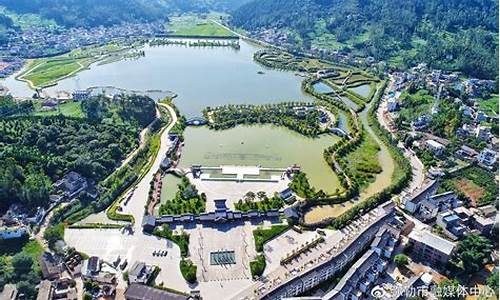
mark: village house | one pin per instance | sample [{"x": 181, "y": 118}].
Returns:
[
  {"x": 140, "y": 273},
  {"x": 484, "y": 219},
  {"x": 435, "y": 147},
  {"x": 466, "y": 153},
  {"x": 430, "y": 248},
  {"x": 80, "y": 95},
  {"x": 51, "y": 267},
  {"x": 71, "y": 184},
  {"x": 91, "y": 267},
  {"x": 483, "y": 133},
  {"x": 451, "y": 224},
  {"x": 487, "y": 157}
]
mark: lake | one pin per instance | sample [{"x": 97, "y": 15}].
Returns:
[
  {"x": 322, "y": 88},
  {"x": 200, "y": 76},
  {"x": 265, "y": 145},
  {"x": 362, "y": 90}
]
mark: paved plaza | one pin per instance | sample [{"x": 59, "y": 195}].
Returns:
[
  {"x": 233, "y": 191},
  {"x": 234, "y": 237},
  {"x": 108, "y": 244}
]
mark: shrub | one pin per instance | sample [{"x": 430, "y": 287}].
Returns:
[
  {"x": 188, "y": 270},
  {"x": 258, "y": 265}
]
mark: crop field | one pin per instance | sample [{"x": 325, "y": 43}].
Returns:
[
  {"x": 476, "y": 184},
  {"x": 490, "y": 105},
  {"x": 191, "y": 25}
]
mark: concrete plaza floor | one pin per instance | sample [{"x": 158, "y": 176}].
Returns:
[
  {"x": 233, "y": 191},
  {"x": 235, "y": 237},
  {"x": 108, "y": 244}
]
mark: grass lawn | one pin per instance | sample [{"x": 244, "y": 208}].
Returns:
[
  {"x": 363, "y": 162},
  {"x": 261, "y": 236},
  {"x": 45, "y": 71},
  {"x": 51, "y": 71},
  {"x": 490, "y": 105},
  {"x": 69, "y": 109}
]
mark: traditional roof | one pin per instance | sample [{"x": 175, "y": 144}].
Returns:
[{"x": 143, "y": 292}]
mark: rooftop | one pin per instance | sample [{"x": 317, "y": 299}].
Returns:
[
  {"x": 142, "y": 292},
  {"x": 432, "y": 240}
]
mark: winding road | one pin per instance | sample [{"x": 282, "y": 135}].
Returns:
[{"x": 109, "y": 244}]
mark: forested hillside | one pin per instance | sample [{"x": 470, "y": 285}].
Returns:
[
  {"x": 109, "y": 12},
  {"x": 448, "y": 34},
  {"x": 38, "y": 150}
]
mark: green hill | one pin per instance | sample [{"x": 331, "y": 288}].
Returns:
[{"x": 448, "y": 34}]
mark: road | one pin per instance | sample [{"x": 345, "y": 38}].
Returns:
[
  {"x": 109, "y": 244},
  {"x": 417, "y": 166},
  {"x": 136, "y": 203}
]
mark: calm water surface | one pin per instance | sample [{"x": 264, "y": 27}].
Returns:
[
  {"x": 268, "y": 146},
  {"x": 362, "y": 90},
  {"x": 201, "y": 76}
]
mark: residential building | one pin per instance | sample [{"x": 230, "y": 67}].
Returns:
[
  {"x": 435, "y": 147},
  {"x": 51, "y": 267},
  {"x": 142, "y": 292},
  {"x": 362, "y": 276},
  {"x": 335, "y": 260},
  {"x": 71, "y": 184},
  {"x": 139, "y": 273},
  {"x": 488, "y": 157},
  {"x": 429, "y": 247}
]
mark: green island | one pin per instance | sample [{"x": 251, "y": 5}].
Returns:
[
  {"x": 44, "y": 72},
  {"x": 248, "y": 149}
]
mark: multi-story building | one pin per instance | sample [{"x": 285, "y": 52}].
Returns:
[
  {"x": 334, "y": 260},
  {"x": 429, "y": 247},
  {"x": 361, "y": 277}
]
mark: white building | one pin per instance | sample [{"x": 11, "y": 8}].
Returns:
[
  {"x": 436, "y": 147},
  {"x": 487, "y": 157}
]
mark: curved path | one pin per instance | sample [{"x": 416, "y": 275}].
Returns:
[{"x": 109, "y": 244}]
